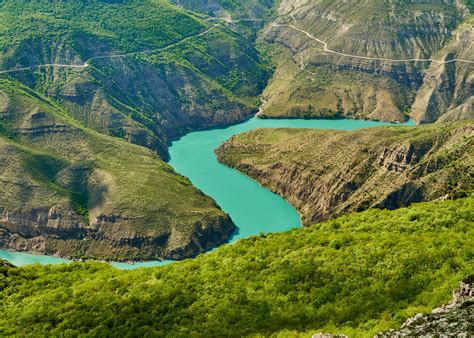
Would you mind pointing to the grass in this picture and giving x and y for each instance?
(176, 86)
(148, 24)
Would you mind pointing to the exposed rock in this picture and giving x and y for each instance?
(455, 319)
(5, 264)
(447, 90)
(71, 192)
(113, 241)
(5, 267)
(149, 98)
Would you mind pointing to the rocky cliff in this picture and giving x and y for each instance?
(328, 173)
(72, 192)
(447, 92)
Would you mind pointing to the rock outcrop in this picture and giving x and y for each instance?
(5, 267)
(454, 319)
(325, 174)
(447, 92)
(5, 264)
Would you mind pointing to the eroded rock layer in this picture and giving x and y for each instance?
(368, 59)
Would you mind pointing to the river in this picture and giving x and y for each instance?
(253, 209)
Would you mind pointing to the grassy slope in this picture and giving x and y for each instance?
(357, 275)
(122, 179)
(247, 16)
(59, 21)
(160, 94)
(327, 173)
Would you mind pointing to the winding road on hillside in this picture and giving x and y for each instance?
(326, 49)
(108, 56)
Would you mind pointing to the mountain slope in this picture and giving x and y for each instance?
(70, 191)
(333, 58)
(360, 274)
(447, 92)
(156, 75)
(327, 173)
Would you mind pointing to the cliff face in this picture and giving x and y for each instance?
(69, 191)
(333, 59)
(325, 174)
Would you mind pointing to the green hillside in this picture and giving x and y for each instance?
(155, 70)
(91, 94)
(358, 274)
(71, 191)
(127, 25)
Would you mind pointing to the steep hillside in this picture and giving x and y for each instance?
(447, 92)
(358, 275)
(327, 173)
(70, 191)
(158, 74)
(247, 11)
(244, 16)
(346, 58)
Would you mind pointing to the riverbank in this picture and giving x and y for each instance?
(253, 208)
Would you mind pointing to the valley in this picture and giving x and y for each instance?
(236, 168)
(79, 92)
(360, 59)
(252, 208)
(70, 191)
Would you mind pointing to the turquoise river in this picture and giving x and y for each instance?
(253, 208)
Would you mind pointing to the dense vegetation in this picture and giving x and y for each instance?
(357, 274)
(127, 25)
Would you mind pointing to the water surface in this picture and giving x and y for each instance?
(253, 209)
